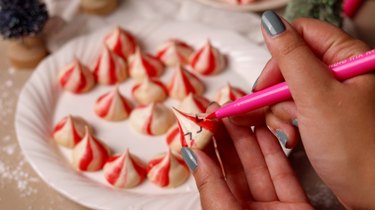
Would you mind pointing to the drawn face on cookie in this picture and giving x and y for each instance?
(195, 130)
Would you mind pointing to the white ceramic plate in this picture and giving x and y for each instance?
(257, 6)
(42, 103)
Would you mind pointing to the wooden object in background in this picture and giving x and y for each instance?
(26, 52)
(99, 7)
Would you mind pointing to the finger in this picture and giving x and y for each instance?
(286, 133)
(285, 111)
(214, 191)
(270, 75)
(257, 175)
(252, 118)
(337, 44)
(233, 170)
(307, 83)
(285, 182)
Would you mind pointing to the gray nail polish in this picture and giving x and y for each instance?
(254, 85)
(189, 158)
(272, 23)
(283, 138)
(295, 122)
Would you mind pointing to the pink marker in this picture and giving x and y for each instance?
(342, 70)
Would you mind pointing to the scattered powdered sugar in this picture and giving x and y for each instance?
(16, 175)
(9, 149)
(9, 83)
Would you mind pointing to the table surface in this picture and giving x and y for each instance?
(21, 188)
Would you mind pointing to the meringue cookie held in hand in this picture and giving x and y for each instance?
(194, 130)
(167, 170)
(76, 78)
(125, 170)
(208, 60)
(113, 106)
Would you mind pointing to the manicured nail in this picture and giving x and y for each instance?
(283, 138)
(272, 23)
(254, 85)
(189, 158)
(295, 122)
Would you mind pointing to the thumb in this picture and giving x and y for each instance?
(306, 75)
(213, 189)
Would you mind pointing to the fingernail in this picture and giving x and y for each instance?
(254, 85)
(295, 122)
(272, 23)
(282, 137)
(189, 158)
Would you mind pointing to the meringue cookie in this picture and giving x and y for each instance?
(208, 60)
(173, 139)
(125, 170)
(69, 131)
(89, 154)
(174, 52)
(113, 106)
(121, 42)
(144, 65)
(167, 170)
(183, 82)
(195, 131)
(76, 78)
(149, 90)
(228, 93)
(110, 68)
(194, 104)
(153, 119)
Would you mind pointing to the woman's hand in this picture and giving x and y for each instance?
(335, 119)
(257, 174)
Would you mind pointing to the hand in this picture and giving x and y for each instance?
(335, 119)
(257, 174)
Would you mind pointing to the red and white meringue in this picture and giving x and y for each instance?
(174, 52)
(183, 83)
(90, 154)
(153, 119)
(173, 139)
(195, 131)
(228, 93)
(121, 42)
(144, 65)
(149, 90)
(240, 2)
(208, 60)
(194, 104)
(110, 68)
(167, 170)
(69, 131)
(76, 78)
(125, 170)
(113, 106)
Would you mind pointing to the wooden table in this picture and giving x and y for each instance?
(21, 188)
